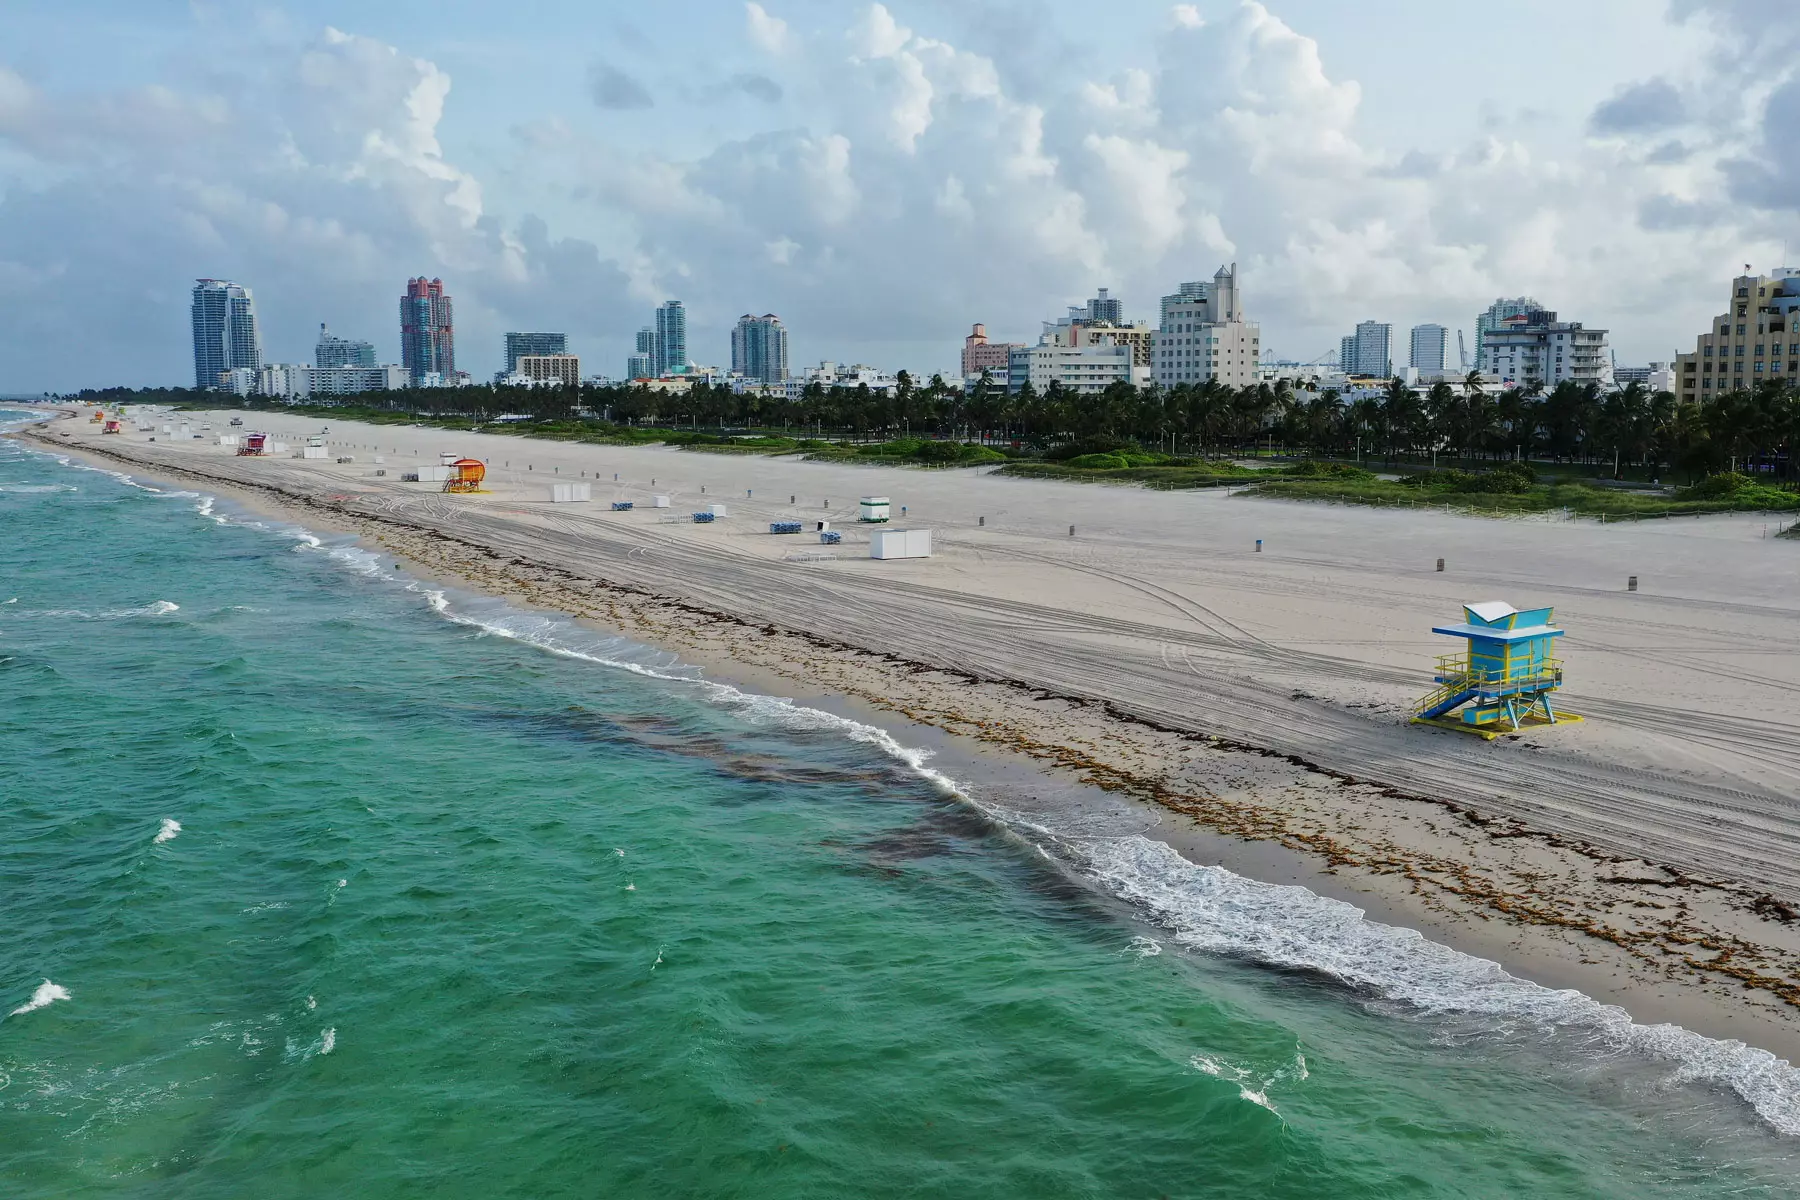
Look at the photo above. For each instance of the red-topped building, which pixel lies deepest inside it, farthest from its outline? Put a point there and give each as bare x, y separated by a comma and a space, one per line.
427, 331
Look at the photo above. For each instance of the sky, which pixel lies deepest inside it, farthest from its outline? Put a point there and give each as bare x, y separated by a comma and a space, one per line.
881, 175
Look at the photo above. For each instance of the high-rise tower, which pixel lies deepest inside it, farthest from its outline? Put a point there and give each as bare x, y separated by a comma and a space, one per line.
427, 330
225, 336
759, 348
670, 353
518, 345
334, 351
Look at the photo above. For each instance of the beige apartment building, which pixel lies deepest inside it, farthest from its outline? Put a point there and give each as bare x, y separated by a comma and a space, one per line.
1755, 338
560, 368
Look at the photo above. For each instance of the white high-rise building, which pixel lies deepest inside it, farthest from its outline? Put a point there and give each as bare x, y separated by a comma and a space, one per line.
1534, 347
1368, 351
1430, 347
1085, 370
1497, 312
225, 334
298, 380
1205, 336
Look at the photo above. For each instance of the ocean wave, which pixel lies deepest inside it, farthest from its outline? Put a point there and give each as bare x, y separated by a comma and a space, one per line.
1212, 910
171, 829
32, 489
47, 994
155, 608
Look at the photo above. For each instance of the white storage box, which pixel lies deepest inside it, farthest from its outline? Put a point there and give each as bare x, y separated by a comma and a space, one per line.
434, 474
447, 460
717, 510
571, 493
900, 543
659, 502
226, 439
873, 508
314, 452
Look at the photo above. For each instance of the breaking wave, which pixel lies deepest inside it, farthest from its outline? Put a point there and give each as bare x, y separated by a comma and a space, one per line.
47, 994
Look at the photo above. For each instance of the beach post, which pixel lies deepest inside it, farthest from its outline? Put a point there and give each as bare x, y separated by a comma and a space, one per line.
981, 520
1258, 544
1631, 584
792, 499
1440, 564
1072, 534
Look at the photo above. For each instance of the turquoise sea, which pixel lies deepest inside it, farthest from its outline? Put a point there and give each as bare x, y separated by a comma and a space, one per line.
316, 880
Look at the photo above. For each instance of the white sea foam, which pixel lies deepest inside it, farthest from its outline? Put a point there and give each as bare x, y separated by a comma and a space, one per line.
155, 608
171, 829
33, 489
325, 1043
47, 994
1210, 909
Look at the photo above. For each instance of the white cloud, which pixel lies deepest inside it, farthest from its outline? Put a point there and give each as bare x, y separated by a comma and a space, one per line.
766, 32
907, 185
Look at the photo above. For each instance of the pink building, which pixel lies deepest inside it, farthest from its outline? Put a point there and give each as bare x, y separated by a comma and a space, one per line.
980, 355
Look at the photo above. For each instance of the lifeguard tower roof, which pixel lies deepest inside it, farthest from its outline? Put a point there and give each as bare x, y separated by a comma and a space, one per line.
1498, 621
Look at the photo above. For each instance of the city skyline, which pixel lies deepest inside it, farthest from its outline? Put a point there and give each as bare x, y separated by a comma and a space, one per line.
806, 179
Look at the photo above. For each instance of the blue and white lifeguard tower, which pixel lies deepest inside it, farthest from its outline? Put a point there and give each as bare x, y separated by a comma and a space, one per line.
1504, 679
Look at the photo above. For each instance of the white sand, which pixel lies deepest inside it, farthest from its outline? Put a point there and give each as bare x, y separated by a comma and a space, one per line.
1314, 647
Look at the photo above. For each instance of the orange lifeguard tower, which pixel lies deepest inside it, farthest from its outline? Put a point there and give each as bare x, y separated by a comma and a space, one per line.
466, 475
96, 418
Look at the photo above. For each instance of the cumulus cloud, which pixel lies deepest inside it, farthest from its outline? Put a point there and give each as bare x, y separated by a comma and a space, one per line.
338, 189
892, 185
766, 32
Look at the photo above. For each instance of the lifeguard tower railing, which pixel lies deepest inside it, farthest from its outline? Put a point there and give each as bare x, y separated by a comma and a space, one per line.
1459, 682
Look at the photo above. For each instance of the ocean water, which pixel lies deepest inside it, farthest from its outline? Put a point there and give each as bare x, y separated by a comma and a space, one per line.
318, 880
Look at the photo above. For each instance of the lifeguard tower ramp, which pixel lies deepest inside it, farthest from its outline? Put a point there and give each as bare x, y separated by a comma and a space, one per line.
1504, 679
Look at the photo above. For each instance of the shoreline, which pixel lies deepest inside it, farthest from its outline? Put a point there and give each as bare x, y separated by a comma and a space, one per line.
1014, 736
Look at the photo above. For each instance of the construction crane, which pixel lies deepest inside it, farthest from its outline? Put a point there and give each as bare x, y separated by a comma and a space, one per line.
1462, 352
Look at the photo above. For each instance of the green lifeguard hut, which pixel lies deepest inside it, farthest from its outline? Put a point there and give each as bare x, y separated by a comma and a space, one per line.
1504, 679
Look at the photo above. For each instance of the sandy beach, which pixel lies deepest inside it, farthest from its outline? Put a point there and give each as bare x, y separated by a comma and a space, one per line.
1252, 705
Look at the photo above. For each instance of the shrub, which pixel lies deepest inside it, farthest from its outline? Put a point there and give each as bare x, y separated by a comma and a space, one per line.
1723, 486
1098, 444
1326, 470
938, 452
1098, 462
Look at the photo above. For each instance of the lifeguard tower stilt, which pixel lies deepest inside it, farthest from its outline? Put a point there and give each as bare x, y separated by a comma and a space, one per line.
1504, 679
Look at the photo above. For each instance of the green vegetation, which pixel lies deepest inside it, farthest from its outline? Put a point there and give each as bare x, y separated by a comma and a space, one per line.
1514, 489
920, 452
1734, 451
1159, 471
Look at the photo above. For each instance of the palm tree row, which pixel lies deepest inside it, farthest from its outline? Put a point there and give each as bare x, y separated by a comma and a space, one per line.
1467, 422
